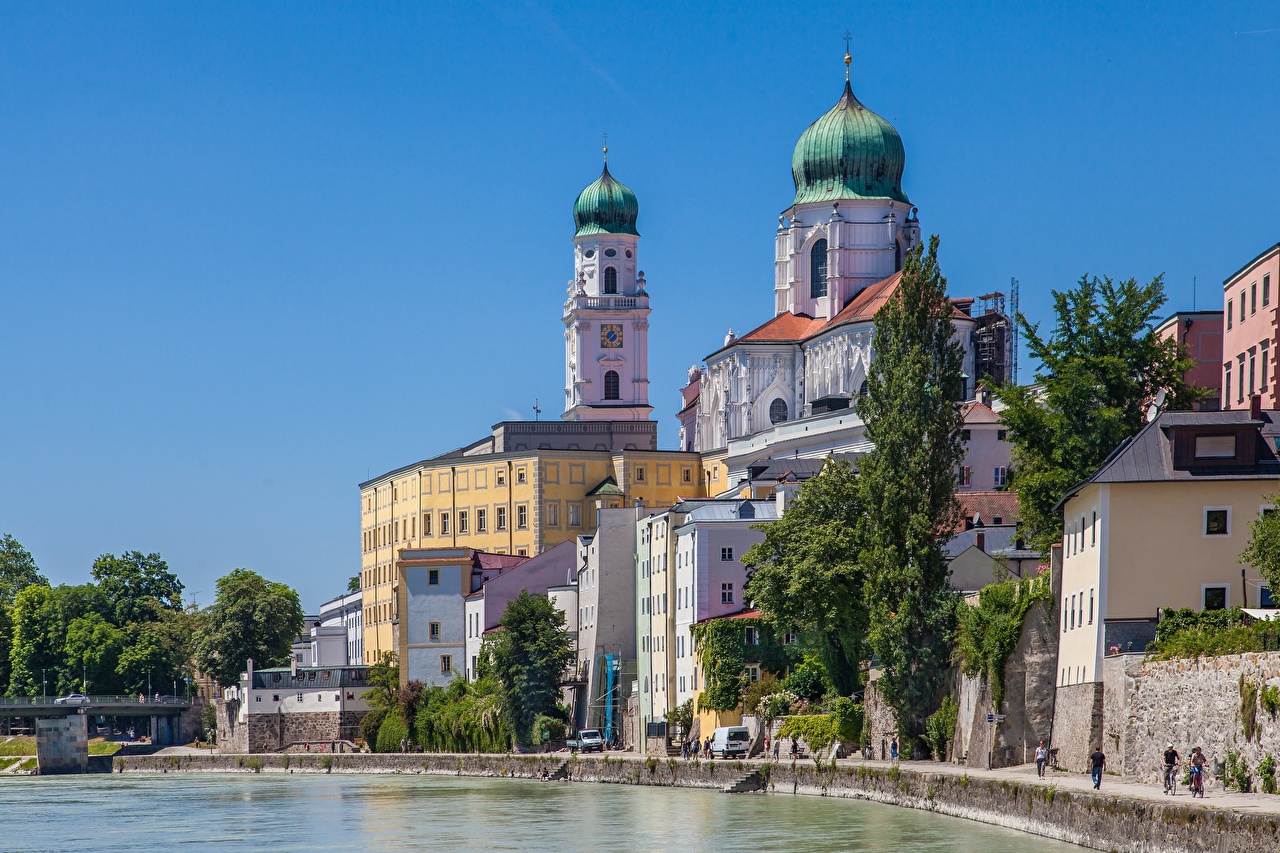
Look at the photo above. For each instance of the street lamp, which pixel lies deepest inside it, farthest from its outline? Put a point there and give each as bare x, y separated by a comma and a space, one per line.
84, 678
148, 684
44, 685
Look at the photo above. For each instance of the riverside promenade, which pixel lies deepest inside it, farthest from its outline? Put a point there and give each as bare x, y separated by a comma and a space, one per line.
1123, 816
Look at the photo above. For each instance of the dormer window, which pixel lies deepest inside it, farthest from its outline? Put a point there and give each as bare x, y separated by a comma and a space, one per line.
610, 279
1215, 446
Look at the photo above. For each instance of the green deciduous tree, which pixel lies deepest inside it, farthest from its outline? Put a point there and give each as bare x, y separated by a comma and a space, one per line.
1099, 368
136, 586
17, 569
353, 584
92, 650
529, 658
1263, 550
906, 483
806, 576
251, 617
42, 617
157, 652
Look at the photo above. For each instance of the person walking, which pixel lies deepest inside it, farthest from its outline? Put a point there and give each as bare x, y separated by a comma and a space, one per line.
795, 748
776, 746
893, 750
1097, 764
684, 749
1042, 757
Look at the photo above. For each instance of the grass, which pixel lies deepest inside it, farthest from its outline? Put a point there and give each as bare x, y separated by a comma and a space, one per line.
22, 745
98, 746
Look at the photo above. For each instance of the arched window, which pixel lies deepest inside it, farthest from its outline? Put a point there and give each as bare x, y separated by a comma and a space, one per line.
818, 269
611, 385
777, 411
610, 280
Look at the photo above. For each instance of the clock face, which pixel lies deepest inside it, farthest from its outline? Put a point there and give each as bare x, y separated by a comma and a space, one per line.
611, 336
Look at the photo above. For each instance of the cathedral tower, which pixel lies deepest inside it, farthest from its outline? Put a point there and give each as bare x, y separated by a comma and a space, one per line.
850, 224
606, 315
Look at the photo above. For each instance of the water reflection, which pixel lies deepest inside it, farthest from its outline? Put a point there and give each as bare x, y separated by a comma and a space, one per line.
321, 812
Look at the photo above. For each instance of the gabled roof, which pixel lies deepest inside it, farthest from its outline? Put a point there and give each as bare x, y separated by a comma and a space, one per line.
868, 301
975, 412
989, 506
607, 486
784, 328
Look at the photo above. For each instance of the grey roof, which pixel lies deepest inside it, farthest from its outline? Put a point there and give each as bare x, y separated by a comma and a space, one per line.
1148, 456
733, 510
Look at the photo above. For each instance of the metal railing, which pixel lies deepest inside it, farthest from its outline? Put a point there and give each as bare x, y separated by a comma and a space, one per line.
88, 701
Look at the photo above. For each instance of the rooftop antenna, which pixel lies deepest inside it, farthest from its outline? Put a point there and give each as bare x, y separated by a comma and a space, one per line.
536, 410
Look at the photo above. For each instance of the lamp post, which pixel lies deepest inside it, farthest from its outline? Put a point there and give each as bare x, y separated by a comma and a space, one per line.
148, 684
44, 685
84, 678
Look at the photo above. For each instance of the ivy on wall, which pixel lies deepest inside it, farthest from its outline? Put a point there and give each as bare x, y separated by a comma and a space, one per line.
988, 633
724, 654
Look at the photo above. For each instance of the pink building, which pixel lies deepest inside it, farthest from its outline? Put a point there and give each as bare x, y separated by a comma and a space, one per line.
1250, 334
1200, 333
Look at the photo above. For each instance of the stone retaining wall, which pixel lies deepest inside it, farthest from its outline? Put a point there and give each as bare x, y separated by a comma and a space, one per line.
1097, 820
1077, 724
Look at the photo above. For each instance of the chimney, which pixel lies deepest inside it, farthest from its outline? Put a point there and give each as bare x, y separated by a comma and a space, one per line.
981, 541
1255, 406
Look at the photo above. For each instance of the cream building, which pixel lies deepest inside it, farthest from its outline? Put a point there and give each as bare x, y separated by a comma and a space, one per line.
1162, 524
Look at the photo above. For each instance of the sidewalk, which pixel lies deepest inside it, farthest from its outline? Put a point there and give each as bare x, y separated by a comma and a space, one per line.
1214, 796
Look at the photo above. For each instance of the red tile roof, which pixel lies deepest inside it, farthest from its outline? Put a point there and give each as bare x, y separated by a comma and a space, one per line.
976, 413
784, 328
870, 300
485, 560
988, 505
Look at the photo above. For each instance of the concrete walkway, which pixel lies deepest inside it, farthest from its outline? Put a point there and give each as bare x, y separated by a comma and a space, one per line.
1214, 795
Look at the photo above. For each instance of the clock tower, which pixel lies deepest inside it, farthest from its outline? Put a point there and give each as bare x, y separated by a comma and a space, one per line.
606, 314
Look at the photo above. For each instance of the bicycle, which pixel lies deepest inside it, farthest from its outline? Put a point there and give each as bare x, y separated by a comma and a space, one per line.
1171, 779
1197, 782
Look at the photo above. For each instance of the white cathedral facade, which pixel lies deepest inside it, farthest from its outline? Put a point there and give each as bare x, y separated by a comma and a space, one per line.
839, 251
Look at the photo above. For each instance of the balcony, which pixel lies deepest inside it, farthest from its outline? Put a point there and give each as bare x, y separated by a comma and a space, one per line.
611, 303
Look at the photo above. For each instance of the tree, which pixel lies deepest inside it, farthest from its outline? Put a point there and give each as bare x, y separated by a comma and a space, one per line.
251, 617
17, 569
529, 658
384, 686
806, 575
93, 647
907, 484
136, 586
157, 652
1263, 550
42, 617
353, 585
1099, 369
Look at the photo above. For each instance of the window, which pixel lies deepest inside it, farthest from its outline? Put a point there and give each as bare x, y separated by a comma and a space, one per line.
1090, 605
1002, 434
966, 475
463, 522
751, 636
1241, 306
1093, 529
1253, 362
575, 515
1217, 521
433, 577
444, 524
1266, 290
1064, 616
500, 478
553, 514
639, 474
435, 631
1226, 386
610, 280
778, 410
446, 664
1000, 473
521, 476
726, 593
1266, 350
686, 476
726, 553
500, 522
482, 520
1215, 597
965, 435
298, 696
818, 270
426, 524
1215, 446
1073, 611
753, 673
1229, 313
611, 391
522, 517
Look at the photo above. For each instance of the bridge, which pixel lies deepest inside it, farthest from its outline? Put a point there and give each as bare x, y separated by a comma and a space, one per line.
62, 723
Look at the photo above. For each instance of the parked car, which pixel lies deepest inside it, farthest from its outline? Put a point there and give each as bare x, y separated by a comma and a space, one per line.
730, 742
73, 699
589, 740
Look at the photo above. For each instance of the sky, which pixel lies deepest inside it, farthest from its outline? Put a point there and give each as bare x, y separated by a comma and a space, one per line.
253, 254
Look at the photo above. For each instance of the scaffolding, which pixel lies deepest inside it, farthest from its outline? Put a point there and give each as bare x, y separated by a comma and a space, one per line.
993, 340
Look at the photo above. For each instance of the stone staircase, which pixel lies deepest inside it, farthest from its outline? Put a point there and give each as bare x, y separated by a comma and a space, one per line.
561, 772
747, 784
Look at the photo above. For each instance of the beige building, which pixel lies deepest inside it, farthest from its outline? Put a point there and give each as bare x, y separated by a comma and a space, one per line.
1162, 524
525, 488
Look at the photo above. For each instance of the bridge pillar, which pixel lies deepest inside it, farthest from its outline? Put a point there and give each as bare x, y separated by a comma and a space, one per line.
62, 744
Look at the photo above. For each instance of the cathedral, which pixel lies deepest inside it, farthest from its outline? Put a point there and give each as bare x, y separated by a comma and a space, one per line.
839, 250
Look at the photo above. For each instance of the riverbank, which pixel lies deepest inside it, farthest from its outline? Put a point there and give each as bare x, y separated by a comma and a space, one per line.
1063, 808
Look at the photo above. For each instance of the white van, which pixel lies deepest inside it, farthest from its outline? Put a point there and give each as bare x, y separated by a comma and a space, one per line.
730, 742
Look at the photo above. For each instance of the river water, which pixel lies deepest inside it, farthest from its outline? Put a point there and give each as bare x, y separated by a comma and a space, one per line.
279, 813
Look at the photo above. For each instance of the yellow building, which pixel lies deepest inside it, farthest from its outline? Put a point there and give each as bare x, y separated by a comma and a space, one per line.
529, 486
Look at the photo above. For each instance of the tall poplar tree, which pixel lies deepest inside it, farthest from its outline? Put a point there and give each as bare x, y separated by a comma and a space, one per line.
907, 485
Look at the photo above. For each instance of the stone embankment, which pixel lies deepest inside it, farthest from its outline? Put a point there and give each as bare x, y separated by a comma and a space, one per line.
1098, 820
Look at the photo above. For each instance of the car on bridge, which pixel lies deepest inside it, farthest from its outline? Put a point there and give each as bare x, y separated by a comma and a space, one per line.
73, 699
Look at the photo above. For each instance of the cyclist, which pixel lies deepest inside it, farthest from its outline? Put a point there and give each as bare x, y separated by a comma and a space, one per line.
1171, 760
1197, 763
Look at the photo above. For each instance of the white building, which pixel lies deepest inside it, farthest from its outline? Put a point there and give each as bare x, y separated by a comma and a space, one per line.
346, 611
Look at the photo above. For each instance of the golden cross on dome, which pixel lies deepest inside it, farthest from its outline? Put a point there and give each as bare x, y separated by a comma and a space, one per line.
848, 58
606, 149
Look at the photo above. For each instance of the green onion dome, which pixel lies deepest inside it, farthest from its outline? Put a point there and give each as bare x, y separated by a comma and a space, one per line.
849, 153
606, 207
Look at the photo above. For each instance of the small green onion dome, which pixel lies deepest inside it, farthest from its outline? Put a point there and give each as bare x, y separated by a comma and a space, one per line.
606, 207
849, 153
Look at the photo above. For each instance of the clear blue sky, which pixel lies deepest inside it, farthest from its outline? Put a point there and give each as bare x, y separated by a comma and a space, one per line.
251, 254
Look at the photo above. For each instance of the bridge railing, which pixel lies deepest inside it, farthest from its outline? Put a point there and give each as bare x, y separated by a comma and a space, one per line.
29, 701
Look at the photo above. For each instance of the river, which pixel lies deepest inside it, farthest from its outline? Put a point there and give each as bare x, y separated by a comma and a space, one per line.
347, 812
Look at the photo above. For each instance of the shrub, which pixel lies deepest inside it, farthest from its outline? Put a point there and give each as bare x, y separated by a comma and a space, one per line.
940, 728
808, 681
681, 717
1271, 700
817, 730
1248, 709
988, 633
326, 763
392, 730
1209, 641
1267, 774
848, 717
766, 685
776, 705
1237, 773
369, 726
547, 729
